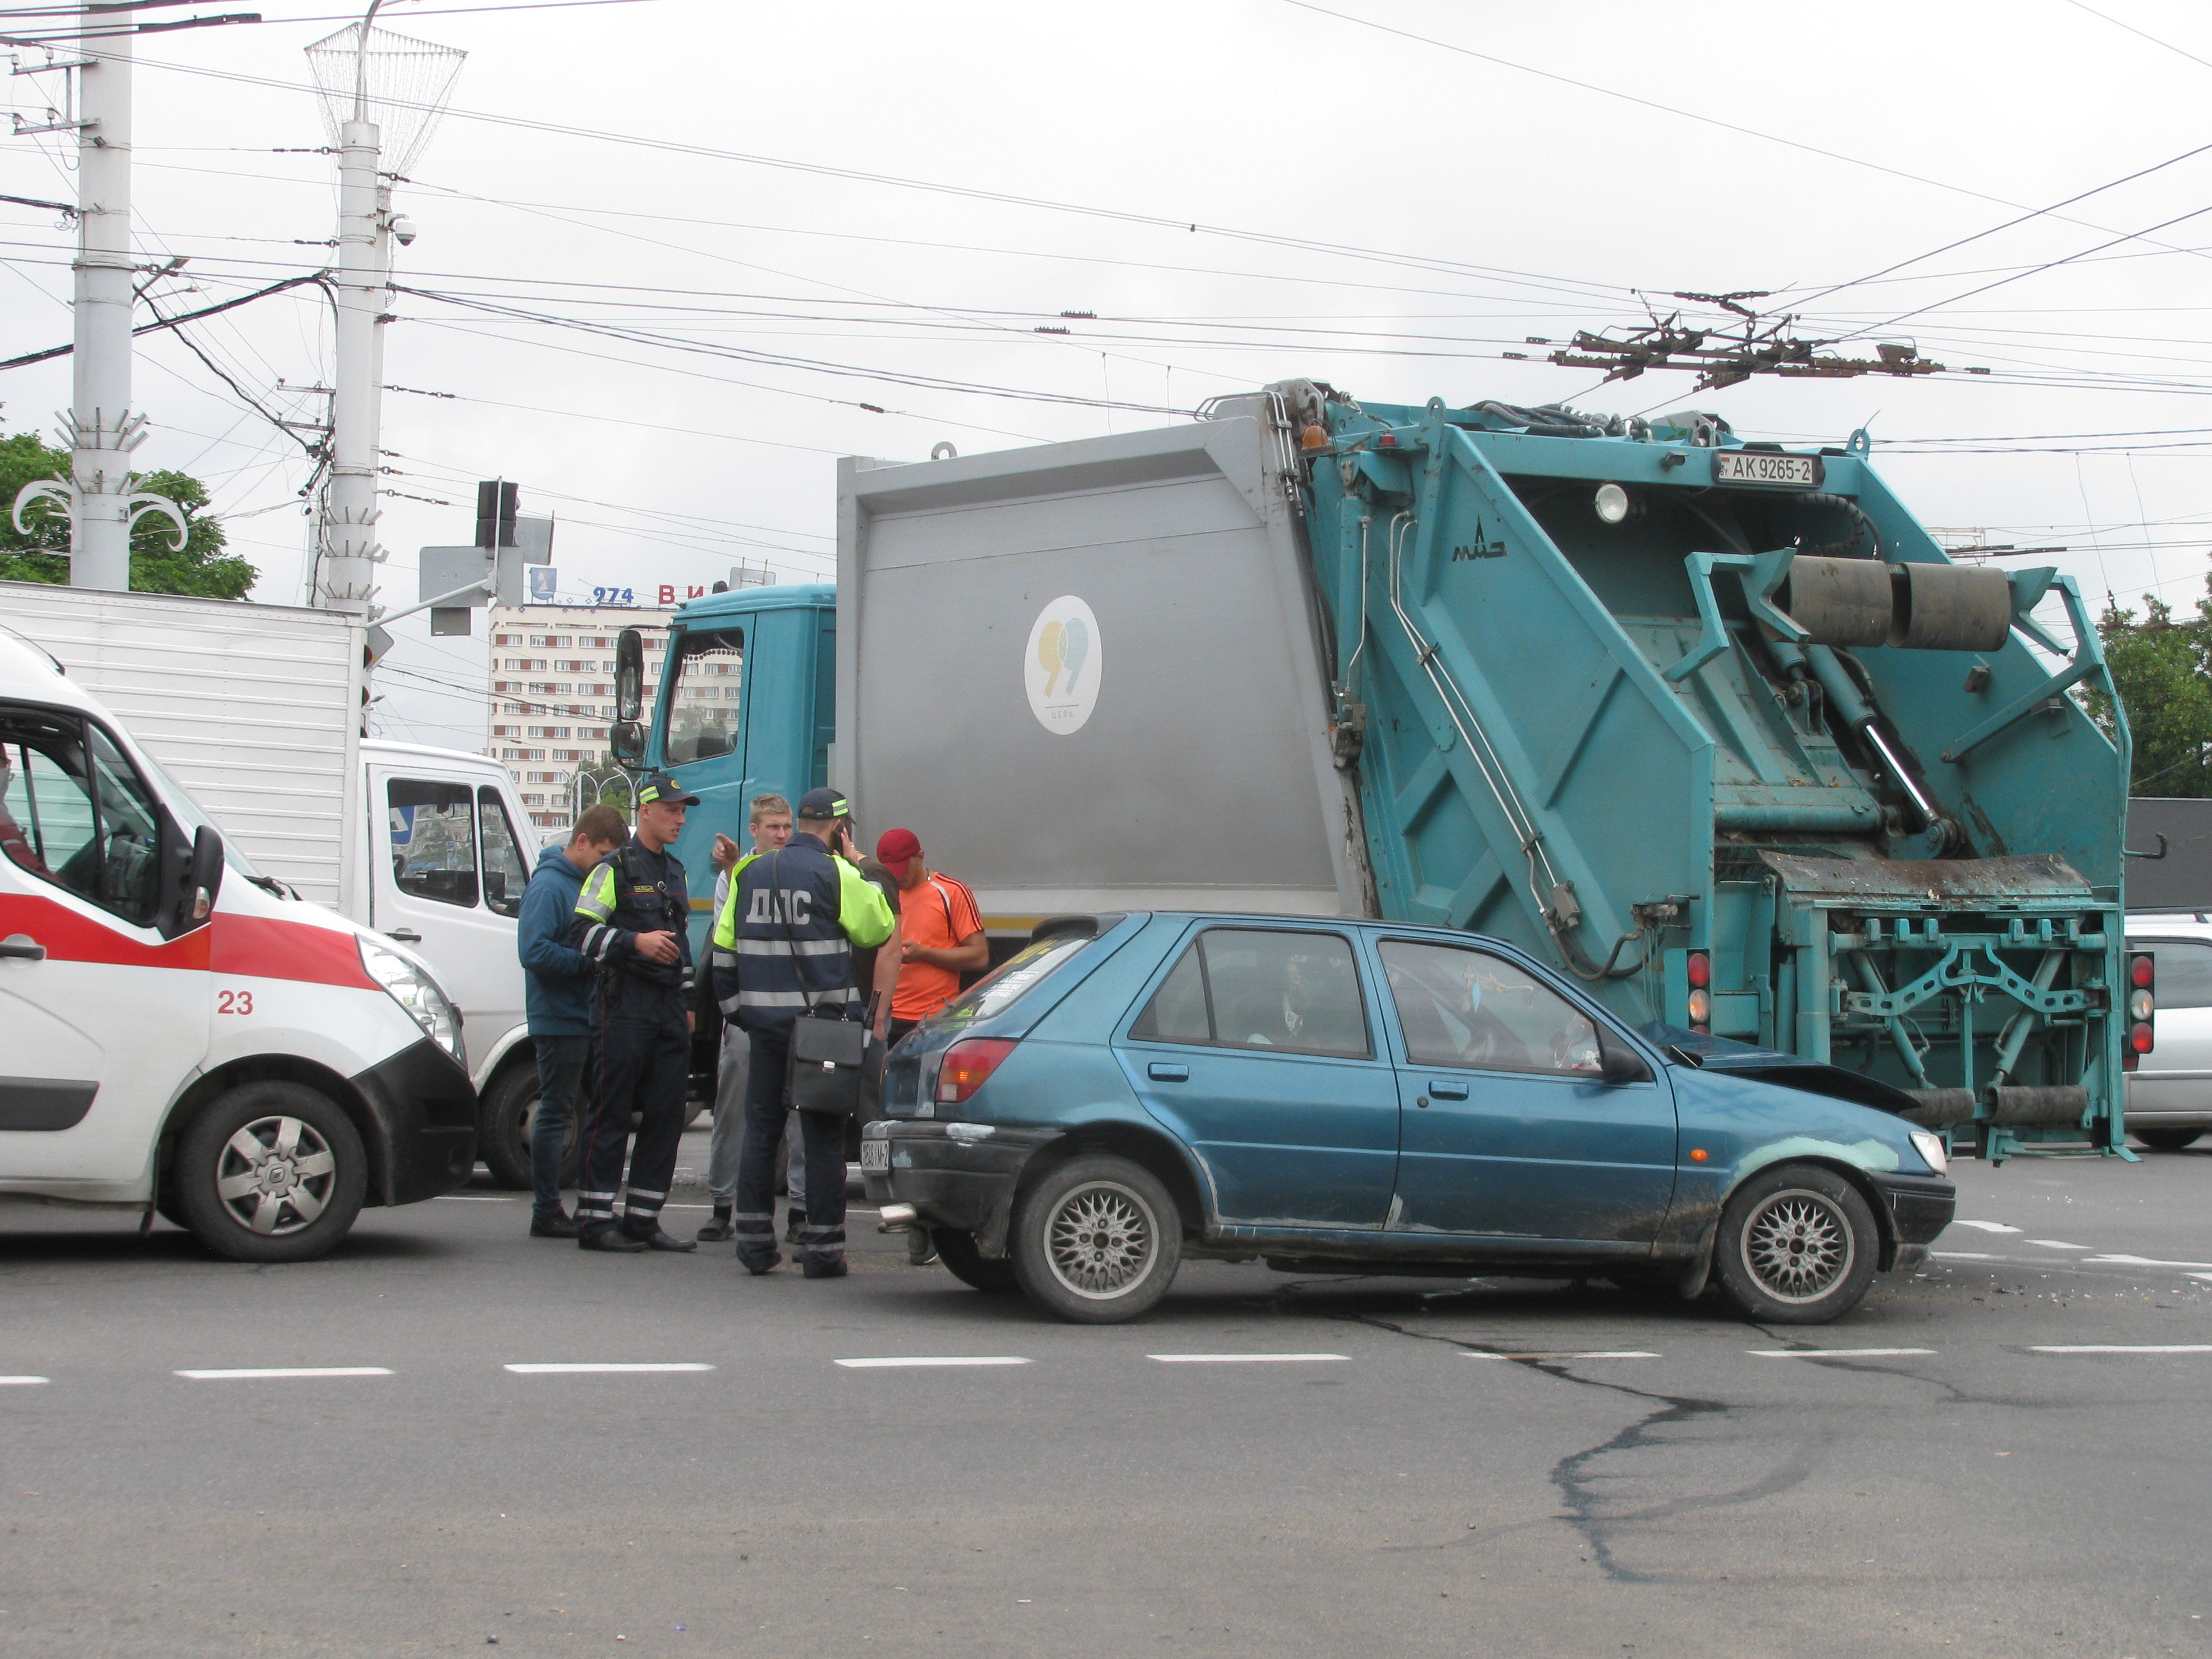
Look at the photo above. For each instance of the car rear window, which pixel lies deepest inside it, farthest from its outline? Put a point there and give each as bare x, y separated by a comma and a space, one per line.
1014, 978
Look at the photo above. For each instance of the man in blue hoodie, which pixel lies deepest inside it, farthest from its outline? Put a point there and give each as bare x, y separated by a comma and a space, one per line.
557, 992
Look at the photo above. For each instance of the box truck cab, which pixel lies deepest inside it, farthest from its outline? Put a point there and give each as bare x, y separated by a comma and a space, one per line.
252, 1066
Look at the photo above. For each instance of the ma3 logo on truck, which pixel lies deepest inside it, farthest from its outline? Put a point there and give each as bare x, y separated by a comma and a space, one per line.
1063, 665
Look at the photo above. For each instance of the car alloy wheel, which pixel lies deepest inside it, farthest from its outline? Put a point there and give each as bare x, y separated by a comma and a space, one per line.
276, 1176
1101, 1240
1798, 1246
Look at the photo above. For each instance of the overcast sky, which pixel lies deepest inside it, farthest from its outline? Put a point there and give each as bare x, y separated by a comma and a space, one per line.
1241, 190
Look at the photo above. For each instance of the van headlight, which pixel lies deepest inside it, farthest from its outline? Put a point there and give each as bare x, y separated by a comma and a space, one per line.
410, 986
1930, 1147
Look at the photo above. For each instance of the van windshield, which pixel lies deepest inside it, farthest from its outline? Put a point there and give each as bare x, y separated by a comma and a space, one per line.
189, 814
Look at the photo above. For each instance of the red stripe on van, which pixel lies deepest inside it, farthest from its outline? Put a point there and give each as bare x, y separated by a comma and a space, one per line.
260, 947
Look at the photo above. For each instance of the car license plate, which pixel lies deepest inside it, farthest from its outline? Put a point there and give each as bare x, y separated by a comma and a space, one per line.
876, 1155
1757, 466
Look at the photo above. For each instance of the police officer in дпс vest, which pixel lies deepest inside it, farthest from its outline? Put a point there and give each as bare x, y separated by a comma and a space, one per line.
633, 925
792, 925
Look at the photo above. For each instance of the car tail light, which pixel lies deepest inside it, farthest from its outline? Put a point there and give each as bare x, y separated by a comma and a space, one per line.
968, 1065
2143, 1009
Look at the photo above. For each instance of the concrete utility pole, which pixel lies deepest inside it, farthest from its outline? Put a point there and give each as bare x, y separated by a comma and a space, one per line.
346, 579
100, 428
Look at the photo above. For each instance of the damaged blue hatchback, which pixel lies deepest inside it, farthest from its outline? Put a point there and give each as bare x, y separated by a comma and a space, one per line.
1131, 1090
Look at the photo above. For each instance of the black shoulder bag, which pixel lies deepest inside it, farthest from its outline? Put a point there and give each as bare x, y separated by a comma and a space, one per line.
830, 1054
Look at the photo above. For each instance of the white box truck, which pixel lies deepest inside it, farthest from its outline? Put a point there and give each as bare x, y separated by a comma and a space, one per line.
254, 710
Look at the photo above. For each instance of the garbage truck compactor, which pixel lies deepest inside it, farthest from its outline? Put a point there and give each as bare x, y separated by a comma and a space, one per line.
1715, 725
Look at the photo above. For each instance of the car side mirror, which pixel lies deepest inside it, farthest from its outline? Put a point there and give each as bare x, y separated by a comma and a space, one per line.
190, 876
627, 739
629, 676
1618, 1063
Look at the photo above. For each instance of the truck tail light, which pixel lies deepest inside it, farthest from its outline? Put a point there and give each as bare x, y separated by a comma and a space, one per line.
1697, 969
968, 1065
2143, 1009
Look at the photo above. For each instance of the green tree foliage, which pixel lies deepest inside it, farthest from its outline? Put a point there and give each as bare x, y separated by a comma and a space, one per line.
2162, 665
200, 567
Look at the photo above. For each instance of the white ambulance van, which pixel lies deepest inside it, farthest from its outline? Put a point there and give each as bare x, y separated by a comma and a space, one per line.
179, 1034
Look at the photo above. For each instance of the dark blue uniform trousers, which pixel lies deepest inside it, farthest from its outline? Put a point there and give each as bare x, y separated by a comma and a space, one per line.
822, 1237
644, 1063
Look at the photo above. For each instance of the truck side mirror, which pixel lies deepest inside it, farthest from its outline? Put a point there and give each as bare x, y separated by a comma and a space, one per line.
1618, 1063
190, 877
630, 677
627, 739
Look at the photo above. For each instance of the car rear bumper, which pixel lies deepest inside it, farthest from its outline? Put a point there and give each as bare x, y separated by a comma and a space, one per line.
960, 1176
1920, 1207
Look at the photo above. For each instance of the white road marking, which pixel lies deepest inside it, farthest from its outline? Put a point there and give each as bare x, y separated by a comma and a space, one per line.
1833, 1354
2060, 1244
1594, 1353
1964, 1255
249, 1373
2124, 1348
2206, 1278
19, 1381
1238, 1359
562, 1368
2145, 1262
478, 1198
1984, 1226
873, 1365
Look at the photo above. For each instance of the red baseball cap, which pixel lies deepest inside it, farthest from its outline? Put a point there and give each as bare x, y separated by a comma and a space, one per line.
895, 846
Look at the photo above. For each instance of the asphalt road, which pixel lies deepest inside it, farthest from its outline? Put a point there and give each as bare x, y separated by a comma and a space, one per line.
2006, 1465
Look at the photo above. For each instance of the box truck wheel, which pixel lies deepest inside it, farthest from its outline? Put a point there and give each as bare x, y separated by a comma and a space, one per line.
271, 1172
1798, 1246
510, 1109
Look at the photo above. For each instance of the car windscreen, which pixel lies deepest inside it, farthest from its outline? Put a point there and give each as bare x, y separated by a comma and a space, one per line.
1012, 979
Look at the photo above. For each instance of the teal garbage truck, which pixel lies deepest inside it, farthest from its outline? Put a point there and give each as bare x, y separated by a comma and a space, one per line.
1714, 725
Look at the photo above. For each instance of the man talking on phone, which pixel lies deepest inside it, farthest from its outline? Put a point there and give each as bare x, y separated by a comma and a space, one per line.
800, 912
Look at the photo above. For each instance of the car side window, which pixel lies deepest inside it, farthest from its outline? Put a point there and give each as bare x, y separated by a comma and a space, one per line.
2185, 972
506, 870
73, 812
1251, 987
433, 840
1468, 1008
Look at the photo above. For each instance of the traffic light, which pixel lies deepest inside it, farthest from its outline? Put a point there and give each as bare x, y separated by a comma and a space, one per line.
490, 571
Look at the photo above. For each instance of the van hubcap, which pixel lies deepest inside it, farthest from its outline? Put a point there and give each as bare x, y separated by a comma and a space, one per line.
275, 1175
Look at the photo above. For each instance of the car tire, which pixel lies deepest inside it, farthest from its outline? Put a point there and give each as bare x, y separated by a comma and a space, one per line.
1797, 1245
271, 1172
2166, 1140
994, 1277
1096, 1240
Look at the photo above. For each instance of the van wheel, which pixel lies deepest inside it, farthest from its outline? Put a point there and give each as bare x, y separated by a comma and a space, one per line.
1096, 1241
1798, 1246
971, 1266
271, 1172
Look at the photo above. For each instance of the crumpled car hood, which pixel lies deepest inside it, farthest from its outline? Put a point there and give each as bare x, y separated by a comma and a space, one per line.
1712, 1053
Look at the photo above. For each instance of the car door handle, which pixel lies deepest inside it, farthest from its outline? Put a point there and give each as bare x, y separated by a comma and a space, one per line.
1448, 1091
1160, 1072
405, 935
23, 947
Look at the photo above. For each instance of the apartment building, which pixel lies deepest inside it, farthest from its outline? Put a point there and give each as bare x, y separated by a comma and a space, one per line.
552, 694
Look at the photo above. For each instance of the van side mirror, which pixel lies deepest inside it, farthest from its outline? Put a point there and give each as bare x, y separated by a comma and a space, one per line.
629, 676
190, 875
627, 739
1618, 1063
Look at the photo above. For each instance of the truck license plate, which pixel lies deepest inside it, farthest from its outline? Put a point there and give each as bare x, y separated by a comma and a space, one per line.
876, 1155
1754, 466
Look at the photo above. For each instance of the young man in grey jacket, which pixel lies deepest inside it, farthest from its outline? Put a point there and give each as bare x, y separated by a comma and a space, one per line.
557, 997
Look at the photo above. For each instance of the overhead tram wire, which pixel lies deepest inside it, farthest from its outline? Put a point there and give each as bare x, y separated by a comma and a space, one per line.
2142, 34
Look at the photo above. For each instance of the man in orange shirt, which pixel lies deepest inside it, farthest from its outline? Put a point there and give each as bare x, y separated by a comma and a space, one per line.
940, 932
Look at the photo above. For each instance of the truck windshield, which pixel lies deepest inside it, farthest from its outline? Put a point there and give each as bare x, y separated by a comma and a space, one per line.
702, 695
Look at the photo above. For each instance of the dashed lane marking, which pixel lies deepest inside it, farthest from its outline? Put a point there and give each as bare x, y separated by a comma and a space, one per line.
563, 1368
479, 1198
1964, 1255
893, 1363
2060, 1244
251, 1373
21, 1382
1590, 1353
2123, 1347
1984, 1226
1835, 1353
2145, 1262
1240, 1358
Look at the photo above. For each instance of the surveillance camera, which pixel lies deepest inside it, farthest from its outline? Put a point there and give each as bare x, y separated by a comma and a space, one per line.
403, 228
